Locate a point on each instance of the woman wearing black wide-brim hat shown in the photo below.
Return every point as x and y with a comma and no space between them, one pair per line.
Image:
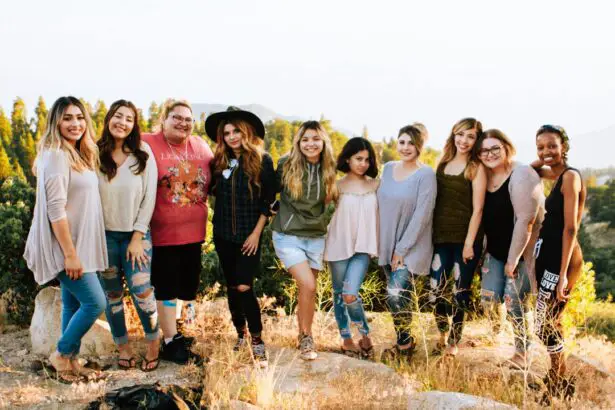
244,186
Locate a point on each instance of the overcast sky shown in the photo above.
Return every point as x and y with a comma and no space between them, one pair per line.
383,64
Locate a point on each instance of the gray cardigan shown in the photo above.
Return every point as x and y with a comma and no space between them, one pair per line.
406,215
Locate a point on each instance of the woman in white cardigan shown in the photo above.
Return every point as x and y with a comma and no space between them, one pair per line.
67,237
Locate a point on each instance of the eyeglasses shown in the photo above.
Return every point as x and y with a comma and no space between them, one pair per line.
494,151
178,119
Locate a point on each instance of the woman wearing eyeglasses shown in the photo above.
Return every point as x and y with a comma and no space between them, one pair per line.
456,229
559,259
179,220
511,218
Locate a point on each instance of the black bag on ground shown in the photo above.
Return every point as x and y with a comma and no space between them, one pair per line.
150,396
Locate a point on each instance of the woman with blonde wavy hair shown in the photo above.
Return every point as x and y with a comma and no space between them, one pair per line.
244,186
306,179
457,238
72,248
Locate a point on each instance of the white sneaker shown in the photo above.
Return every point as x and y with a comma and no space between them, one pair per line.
306,346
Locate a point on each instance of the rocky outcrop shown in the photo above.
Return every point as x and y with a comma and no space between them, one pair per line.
46,327
437,400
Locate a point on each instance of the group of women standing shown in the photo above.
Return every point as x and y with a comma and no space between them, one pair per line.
136,206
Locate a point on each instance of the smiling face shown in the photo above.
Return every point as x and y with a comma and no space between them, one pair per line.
359,163
550,148
492,153
122,123
465,140
311,145
232,136
72,125
178,125
406,149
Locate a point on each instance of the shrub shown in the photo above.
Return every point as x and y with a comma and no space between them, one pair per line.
17,285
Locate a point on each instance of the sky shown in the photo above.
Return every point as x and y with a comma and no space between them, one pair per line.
384,64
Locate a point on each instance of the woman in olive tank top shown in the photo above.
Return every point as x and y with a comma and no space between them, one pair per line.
462,182
559,259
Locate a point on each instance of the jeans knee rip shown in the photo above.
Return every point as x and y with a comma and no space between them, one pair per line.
436,263
140,279
456,271
110,273
117,307
147,244
148,303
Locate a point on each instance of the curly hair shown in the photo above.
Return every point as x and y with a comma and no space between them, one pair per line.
563,136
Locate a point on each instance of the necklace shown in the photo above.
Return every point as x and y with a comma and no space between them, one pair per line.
177,157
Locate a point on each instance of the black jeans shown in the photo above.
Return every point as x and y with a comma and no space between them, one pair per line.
239,269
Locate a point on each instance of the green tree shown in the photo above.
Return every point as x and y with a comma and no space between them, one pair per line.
153,112
6,133
273,151
6,170
142,121
98,117
41,119
24,148
18,170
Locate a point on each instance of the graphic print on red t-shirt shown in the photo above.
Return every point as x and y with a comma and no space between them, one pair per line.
184,183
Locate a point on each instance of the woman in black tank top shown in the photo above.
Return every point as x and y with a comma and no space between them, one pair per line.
558,256
512,202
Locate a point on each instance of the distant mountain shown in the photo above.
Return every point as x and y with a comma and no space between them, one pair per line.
593,149
264,113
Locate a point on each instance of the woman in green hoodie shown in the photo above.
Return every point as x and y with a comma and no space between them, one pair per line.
306,180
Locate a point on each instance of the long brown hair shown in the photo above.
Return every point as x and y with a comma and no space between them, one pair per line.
449,151
131,144
251,152
84,155
296,164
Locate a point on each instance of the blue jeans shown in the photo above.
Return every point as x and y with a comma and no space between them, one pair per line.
447,261
401,290
138,281
83,300
347,276
497,288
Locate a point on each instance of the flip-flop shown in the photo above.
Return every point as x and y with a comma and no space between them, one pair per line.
367,352
145,363
439,349
132,363
92,375
46,369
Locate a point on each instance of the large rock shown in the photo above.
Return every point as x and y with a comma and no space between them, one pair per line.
46,327
437,400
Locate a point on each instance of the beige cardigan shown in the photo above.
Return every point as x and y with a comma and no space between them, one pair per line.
64,193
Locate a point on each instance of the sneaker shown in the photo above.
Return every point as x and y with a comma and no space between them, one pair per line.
306,346
259,353
176,350
239,344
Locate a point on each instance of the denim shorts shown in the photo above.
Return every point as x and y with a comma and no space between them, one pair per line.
293,249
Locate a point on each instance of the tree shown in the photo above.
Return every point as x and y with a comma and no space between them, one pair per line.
23,145
6,133
6,170
98,117
18,170
41,119
153,112
142,121
273,151
365,133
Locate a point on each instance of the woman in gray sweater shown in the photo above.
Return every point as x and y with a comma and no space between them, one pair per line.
406,200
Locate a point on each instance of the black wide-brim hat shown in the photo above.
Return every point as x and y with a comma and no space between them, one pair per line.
233,113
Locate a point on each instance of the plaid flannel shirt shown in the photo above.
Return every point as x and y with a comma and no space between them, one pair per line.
236,212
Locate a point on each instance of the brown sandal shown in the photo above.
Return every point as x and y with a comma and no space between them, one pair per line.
145,364
132,363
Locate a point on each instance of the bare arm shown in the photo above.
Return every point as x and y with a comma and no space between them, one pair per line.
571,187
479,186
543,172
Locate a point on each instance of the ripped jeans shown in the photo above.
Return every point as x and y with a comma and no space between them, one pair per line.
138,281
401,294
347,276
498,288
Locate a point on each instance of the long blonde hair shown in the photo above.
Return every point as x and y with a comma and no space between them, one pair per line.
84,155
295,166
251,156
450,150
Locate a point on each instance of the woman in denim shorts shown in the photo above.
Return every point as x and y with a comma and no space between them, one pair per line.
306,179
